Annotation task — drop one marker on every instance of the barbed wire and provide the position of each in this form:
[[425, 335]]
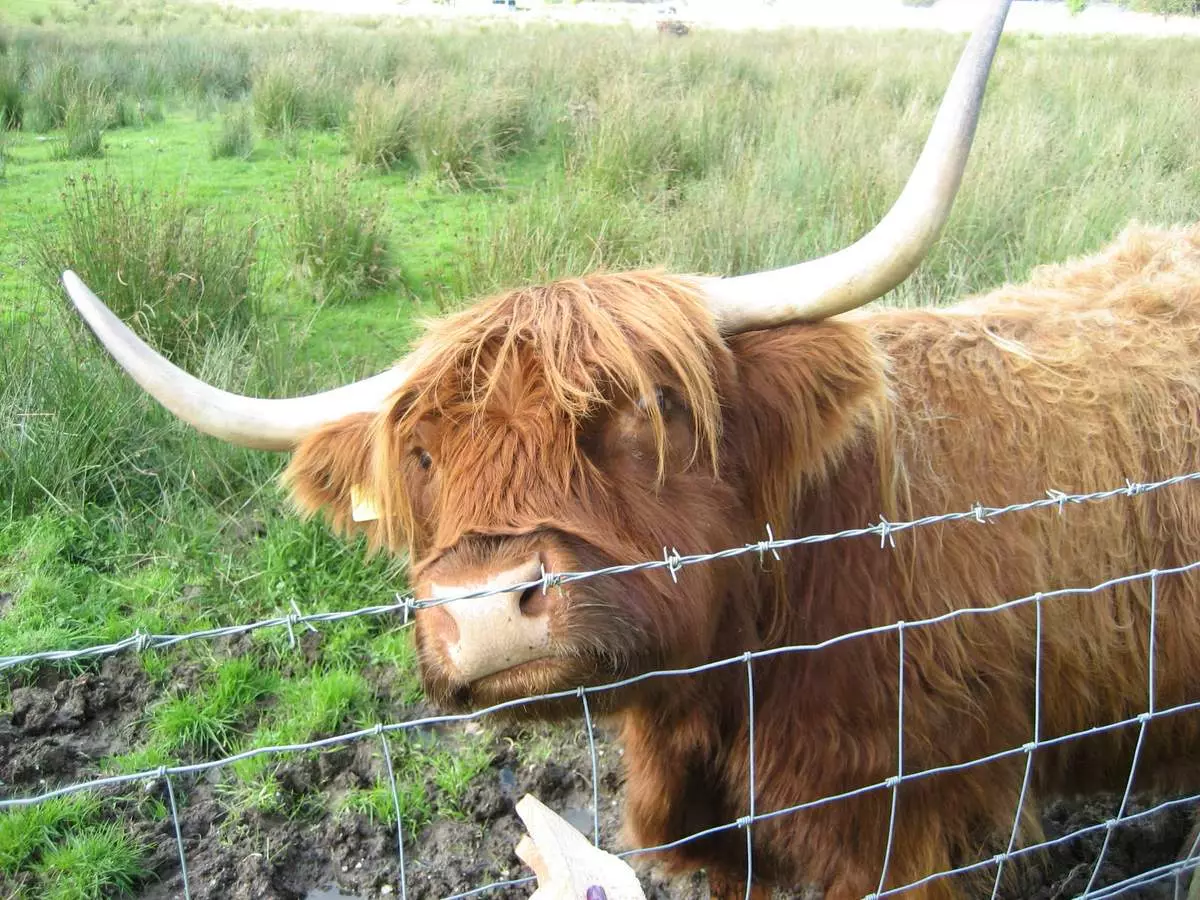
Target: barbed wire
[[672, 560], [166, 773]]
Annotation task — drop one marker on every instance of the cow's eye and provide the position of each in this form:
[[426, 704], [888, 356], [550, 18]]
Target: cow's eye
[[667, 401], [424, 460]]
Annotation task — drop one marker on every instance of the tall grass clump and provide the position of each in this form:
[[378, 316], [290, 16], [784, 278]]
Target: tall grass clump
[[646, 135], [234, 135], [53, 80], [555, 230], [177, 275], [131, 111], [466, 128], [338, 239], [382, 124], [11, 100], [295, 90], [81, 435], [87, 113], [196, 65]]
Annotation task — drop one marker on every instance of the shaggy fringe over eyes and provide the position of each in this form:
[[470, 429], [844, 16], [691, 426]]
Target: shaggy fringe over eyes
[[586, 341]]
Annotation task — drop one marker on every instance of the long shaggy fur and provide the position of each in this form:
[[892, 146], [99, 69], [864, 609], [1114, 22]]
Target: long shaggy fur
[[1079, 380]]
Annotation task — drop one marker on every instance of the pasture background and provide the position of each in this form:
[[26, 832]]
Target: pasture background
[[329, 183]]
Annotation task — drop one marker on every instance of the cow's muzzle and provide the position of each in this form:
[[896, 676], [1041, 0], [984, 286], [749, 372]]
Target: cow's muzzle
[[480, 636]]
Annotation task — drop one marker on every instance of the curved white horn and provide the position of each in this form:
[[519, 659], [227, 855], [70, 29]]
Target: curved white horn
[[247, 421], [889, 253]]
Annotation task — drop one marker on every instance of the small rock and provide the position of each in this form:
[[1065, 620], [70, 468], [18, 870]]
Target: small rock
[[508, 781], [386, 889]]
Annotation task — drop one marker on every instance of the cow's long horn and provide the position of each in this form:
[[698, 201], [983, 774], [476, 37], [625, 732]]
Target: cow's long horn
[[889, 253], [247, 421]]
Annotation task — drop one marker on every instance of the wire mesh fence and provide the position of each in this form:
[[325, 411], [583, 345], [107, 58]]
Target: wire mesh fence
[[674, 562]]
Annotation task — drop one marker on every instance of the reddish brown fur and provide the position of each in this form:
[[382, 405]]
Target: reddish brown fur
[[1077, 381]]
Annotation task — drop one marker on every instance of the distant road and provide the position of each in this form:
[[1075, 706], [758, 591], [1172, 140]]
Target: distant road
[[1029, 16]]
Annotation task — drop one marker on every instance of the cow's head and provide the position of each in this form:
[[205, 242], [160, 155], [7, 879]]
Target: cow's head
[[585, 424]]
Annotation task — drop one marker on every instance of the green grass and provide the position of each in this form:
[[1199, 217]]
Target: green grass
[[205, 720], [234, 138], [281, 197], [62, 850], [339, 239], [30, 832], [183, 276], [91, 864]]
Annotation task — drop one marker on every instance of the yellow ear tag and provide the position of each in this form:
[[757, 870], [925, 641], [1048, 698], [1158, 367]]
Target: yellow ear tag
[[362, 505]]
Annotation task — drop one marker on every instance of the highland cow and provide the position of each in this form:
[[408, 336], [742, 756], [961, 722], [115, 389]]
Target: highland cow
[[595, 421]]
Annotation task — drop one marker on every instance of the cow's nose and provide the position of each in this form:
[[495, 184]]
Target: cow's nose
[[497, 630]]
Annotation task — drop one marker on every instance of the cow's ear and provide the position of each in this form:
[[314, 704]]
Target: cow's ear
[[330, 473], [805, 391]]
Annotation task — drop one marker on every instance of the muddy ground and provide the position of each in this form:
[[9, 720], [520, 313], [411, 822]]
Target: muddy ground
[[60, 725]]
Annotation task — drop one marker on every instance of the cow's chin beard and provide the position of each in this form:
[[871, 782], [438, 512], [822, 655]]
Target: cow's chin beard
[[533, 680]]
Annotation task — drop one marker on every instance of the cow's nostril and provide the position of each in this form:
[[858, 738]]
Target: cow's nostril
[[534, 601]]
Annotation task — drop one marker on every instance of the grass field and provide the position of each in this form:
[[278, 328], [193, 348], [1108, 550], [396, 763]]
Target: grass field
[[278, 200]]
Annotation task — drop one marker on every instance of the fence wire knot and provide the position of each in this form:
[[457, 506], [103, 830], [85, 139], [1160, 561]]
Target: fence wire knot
[[674, 563], [979, 513], [1132, 488], [1029, 746], [550, 580], [1059, 497], [767, 545], [293, 618], [885, 533], [745, 821], [141, 640], [406, 603]]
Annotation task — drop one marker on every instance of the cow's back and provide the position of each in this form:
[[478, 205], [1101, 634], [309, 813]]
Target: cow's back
[[1083, 379]]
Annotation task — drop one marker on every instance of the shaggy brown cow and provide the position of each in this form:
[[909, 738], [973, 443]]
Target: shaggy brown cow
[[594, 421]]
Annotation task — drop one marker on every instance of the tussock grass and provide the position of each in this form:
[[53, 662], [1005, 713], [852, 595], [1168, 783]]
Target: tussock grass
[[381, 129], [51, 82], [177, 274], [338, 237], [465, 129], [12, 101], [296, 89], [84, 118], [234, 135]]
